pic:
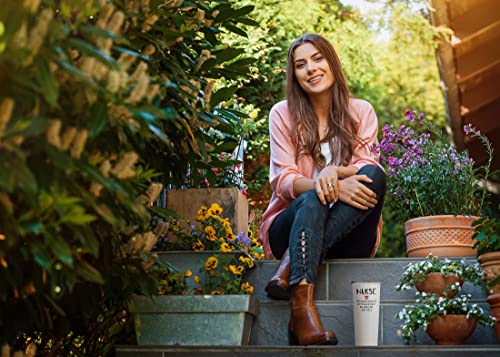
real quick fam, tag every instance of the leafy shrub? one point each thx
(98, 101)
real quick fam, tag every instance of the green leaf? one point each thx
(32, 227)
(145, 116)
(40, 254)
(131, 52)
(15, 174)
(236, 30)
(243, 11)
(88, 272)
(28, 127)
(62, 201)
(48, 84)
(75, 71)
(244, 62)
(90, 31)
(94, 173)
(77, 217)
(225, 12)
(227, 54)
(60, 248)
(160, 134)
(247, 21)
(89, 240)
(89, 50)
(98, 119)
(222, 95)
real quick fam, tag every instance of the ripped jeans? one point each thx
(313, 231)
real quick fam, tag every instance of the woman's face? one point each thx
(312, 70)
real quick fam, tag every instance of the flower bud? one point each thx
(79, 143)
(6, 108)
(53, 133)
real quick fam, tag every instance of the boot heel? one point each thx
(292, 339)
(277, 291)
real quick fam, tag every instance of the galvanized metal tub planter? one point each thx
(194, 320)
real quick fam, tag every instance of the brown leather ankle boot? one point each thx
(277, 287)
(305, 327)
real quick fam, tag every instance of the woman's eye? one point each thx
(299, 66)
(318, 59)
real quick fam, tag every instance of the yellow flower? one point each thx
(210, 230)
(225, 248)
(202, 214)
(247, 288)
(211, 263)
(211, 237)
(217, 292)
(250, 233)
(248, 261)
(215, 210)
(236, 270)
(188, 273)
(196, 279)
(230, 236)
(225, 222)
(198, 246)
(210, 233)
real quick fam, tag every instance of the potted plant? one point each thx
(447, 321)
(433, 188)
(448, 318)
(217, 296)
(442, 277)
(487, 236)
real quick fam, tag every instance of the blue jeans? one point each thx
(313, 231)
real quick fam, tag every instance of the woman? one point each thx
(328, 184)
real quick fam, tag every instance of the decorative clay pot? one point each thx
(490, 263)
(451, 329)
(443, 236)
(437, 283)
(494, 301)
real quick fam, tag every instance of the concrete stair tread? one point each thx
(299, 351)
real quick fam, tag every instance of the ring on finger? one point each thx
(329, 184)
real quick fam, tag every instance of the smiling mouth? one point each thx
(315, 79)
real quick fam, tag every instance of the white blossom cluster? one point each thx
(416, 272)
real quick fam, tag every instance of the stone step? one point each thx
(334, 300)
(325, 351)
(270, 326)
(335, 277)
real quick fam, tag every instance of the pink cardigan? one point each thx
(284, 170)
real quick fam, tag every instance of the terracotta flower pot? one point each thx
(451, 329)
(490, 262)
(443, 236)
(494, 301)
(437, 283)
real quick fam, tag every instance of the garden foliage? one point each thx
(98, 101)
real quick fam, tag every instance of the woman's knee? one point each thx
(309, 200)
(377, 175)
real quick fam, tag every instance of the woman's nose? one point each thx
(311, 67)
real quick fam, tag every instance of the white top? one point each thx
(325, 151)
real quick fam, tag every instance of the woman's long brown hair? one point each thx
(342, 127)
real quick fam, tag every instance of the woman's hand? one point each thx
(354, 193)
(326, 185)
